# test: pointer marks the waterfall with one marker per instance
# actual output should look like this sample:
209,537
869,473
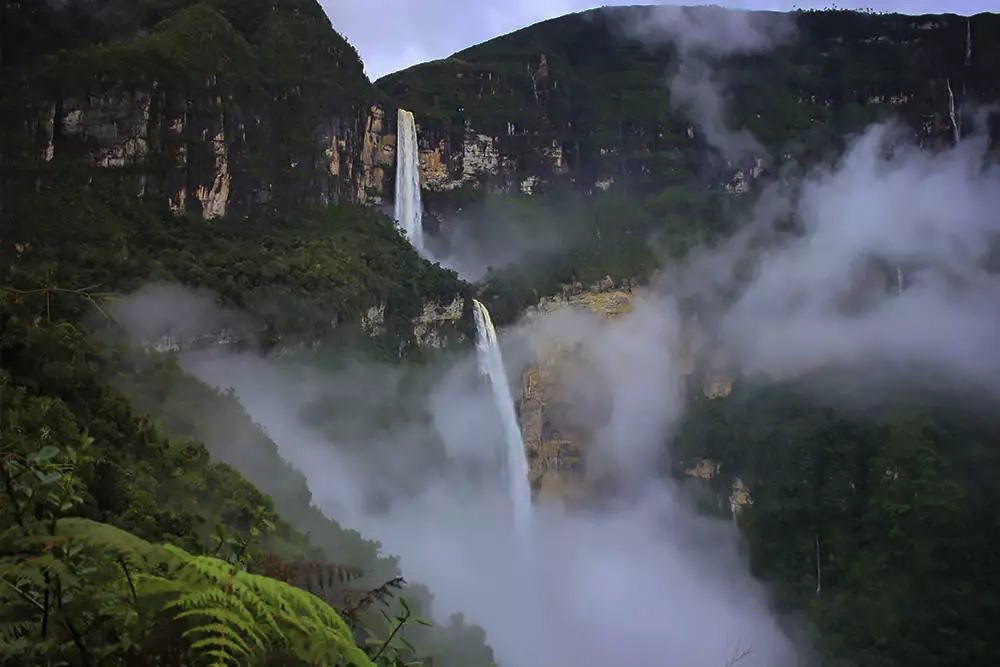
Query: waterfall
968,40
955,129
899,280
515,459
408,208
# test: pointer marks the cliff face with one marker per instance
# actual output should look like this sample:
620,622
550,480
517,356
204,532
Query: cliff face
558,409
221,107
574,98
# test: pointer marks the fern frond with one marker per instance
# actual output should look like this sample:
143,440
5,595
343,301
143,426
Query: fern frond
222,614
112,541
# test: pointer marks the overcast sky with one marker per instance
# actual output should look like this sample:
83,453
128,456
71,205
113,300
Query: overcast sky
392,35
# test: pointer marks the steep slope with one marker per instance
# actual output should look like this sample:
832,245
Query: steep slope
582,97
877,524
251,136
869,511
219,106
241,113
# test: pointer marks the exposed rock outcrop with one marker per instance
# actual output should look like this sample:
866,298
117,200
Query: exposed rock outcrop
558,409
439,324
739,495
211,115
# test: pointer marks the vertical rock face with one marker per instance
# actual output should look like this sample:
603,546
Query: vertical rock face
378,158
449,162
561,408
739,495
575,99
439,324
217,111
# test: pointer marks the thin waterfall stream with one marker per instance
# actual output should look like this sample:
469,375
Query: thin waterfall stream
515,459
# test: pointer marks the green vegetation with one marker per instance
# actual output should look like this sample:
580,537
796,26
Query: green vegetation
141,467
78,591
124,537
165,78
585,238
307,274
874,517
605,99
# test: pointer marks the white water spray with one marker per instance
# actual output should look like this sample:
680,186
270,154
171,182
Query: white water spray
409,212
515,460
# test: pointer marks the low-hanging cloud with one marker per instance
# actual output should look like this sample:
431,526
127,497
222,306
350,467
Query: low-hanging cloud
641,579
494,241
890,268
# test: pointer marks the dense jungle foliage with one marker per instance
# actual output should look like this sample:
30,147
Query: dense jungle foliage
297,274
147,469
140,466
602,91
124,538
873,513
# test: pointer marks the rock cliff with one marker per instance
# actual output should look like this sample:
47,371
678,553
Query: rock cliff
558,408
220,107
581,99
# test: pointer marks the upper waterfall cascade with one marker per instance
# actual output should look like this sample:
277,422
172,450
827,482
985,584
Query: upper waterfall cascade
408,212
515,459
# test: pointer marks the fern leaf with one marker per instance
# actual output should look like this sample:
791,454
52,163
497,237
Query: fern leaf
222,639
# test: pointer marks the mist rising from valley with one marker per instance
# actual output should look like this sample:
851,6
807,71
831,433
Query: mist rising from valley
408,455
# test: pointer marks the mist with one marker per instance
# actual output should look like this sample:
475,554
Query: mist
888,212
640,579
498,236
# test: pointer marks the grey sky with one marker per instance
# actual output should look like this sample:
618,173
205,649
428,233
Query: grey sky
391,35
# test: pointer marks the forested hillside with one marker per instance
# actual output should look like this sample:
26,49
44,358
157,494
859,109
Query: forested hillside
877,518
110,450
635,123
871,513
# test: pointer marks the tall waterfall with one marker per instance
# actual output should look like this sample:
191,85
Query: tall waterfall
515,459
899,280
408,208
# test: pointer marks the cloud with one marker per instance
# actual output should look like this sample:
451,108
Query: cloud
699,94
711,30
167,309
889,266
641,579
498,236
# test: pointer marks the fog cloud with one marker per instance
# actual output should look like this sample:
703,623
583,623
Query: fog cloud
890,268
641,579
